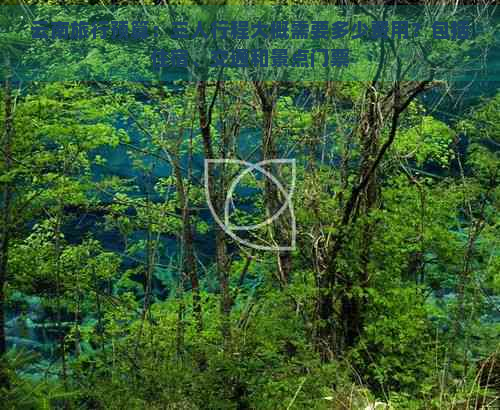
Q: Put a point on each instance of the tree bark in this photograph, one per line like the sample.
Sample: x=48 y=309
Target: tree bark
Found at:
x=280 y=230
x=217 y=192
x=353 y=303
x=189 y=262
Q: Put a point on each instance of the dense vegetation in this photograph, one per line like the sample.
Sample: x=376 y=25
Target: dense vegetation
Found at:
x=119 y=290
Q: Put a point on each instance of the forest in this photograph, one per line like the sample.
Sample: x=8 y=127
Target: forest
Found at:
x=245 y=242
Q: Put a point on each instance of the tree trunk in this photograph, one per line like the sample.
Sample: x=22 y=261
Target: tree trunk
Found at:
x=326 y=328
x=280 y=230
x=217 y=193
x=189 y=262
x=352 y=303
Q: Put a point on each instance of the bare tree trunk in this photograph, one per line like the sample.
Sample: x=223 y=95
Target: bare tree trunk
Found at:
x=189 y=262
x=217 y=192
x=148 y=277
x=148 y=273
x=280 y=230
x=179 y=336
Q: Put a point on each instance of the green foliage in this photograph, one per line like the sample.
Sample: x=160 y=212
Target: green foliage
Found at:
x=428 y=140
x=398 y=350
x=132 y=319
